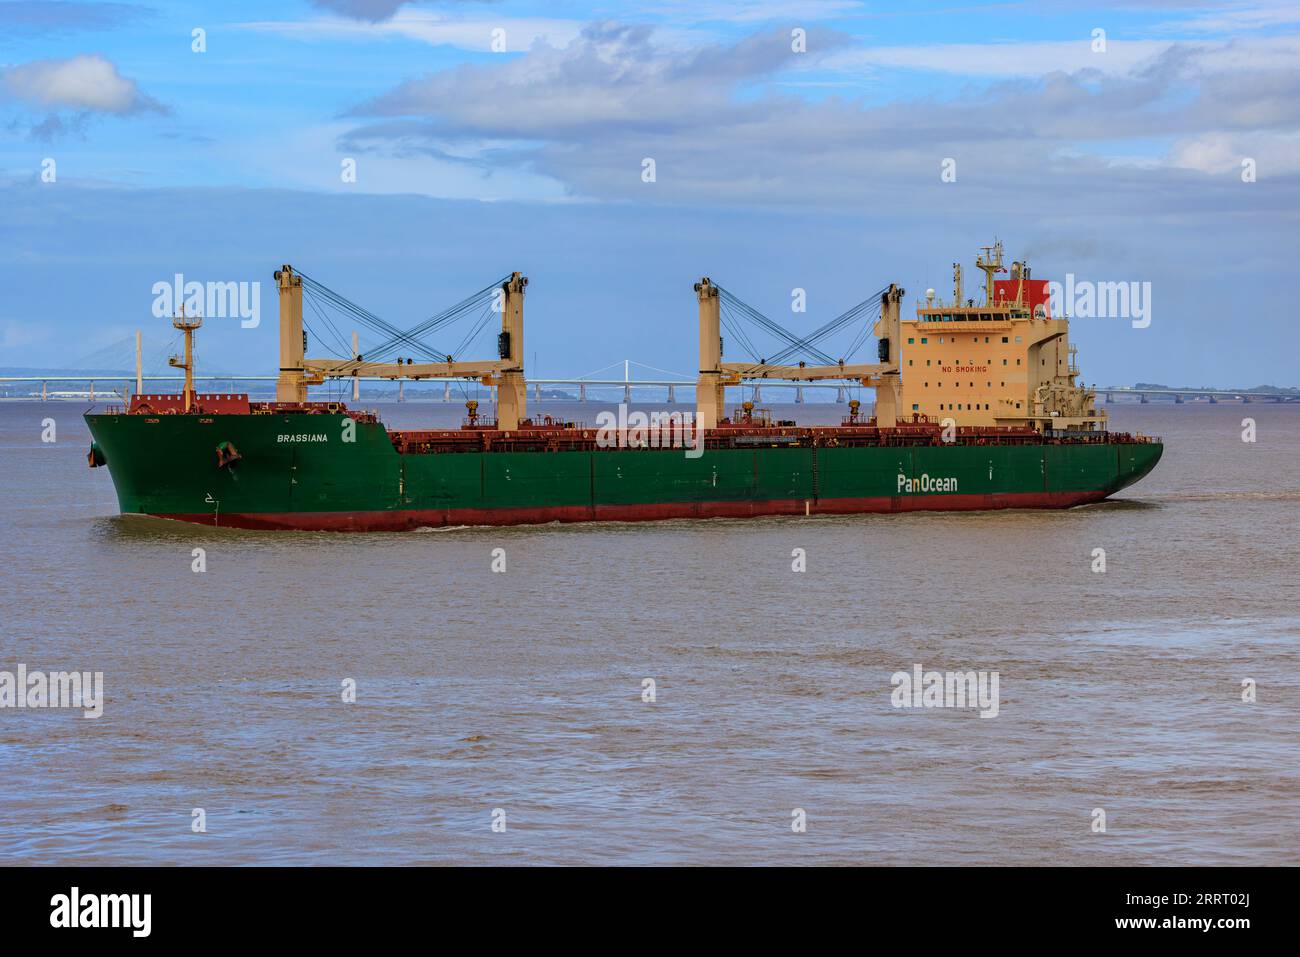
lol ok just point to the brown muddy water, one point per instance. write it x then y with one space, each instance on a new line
522 692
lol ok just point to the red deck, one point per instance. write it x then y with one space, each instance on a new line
205 403
548 435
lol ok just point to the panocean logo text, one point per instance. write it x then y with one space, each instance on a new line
927 483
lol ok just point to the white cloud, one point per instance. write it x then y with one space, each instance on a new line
372 10
1275 154
83 82
310 158
753 11
611 75
1040 58
1004 59
434 29
1238 17
1250 55
720 131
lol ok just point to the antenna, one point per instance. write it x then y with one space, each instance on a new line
990 261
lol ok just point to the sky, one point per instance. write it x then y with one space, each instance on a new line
408 154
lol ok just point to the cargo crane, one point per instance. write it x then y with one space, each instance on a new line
506 372
716 375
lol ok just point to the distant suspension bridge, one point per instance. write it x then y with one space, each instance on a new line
594 386
112 385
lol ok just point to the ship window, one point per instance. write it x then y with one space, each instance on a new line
1004 361
986 338
915 407
911 341
927 361
1017 405
1004 338
947 317
1017 362
924 340
909 362
1017 338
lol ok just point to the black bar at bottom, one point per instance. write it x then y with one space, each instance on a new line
335 905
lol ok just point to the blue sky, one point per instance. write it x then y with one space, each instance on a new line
775 169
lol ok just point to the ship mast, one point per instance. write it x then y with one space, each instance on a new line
187 325
990 261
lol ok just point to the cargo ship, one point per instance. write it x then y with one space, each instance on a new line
977 407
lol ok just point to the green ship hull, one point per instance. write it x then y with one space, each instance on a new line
295 471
